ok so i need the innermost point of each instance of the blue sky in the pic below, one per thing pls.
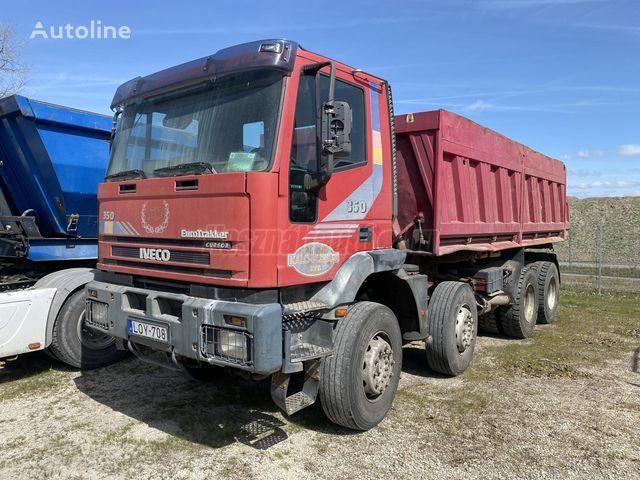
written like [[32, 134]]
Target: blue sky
[[561, 76]]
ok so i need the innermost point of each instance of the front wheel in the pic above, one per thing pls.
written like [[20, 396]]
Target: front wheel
[[76, 345], [359, 381]]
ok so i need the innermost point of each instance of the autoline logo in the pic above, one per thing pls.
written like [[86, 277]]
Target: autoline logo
[[94, 31]]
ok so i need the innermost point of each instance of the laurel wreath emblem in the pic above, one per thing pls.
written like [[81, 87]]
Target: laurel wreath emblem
[[158, 228]]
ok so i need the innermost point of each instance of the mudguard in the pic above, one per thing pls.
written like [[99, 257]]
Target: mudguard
[[352, 274], [65, 282]]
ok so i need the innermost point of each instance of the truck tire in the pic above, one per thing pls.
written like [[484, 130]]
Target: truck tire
[[490, 323], [75, 345], [548, 291], [359, 381], [519, 319], [453, 326]]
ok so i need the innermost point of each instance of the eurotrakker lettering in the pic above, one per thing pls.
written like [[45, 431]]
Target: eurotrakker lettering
[[210, 234]]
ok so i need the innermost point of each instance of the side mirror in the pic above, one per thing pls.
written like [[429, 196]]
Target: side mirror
[[336, 128], [333, 122]]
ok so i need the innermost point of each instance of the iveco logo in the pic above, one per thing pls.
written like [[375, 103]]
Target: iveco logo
[[155, 254]]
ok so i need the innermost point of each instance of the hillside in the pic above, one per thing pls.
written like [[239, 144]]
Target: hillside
[[619, 241]]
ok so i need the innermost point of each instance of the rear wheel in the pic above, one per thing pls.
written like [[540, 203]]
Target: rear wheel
[[519, 319], [453, 326], [359, 381], [73, 343], [548, 291]]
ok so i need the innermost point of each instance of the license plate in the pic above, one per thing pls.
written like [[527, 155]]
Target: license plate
[[148, 330]]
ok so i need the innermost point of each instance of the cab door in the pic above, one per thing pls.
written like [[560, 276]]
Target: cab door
[[327, 226]]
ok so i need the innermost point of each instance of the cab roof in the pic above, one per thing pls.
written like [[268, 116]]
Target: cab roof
[[271, 53]]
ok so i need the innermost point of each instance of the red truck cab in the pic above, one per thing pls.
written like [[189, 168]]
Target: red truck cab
[[257, 215], [252, 218]]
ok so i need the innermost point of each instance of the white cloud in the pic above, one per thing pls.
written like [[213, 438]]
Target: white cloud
[[71, 82], [480, 105], [629, 150], [590, 153], [607, 184]]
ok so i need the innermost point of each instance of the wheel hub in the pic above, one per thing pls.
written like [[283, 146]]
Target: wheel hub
[[464, 328], [377, 368], [529, 303], [552, 294]]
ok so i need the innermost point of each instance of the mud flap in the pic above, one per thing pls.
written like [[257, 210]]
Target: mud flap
[[292, 403]]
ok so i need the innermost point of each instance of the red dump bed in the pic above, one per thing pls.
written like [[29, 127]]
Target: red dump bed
[[475, 189]]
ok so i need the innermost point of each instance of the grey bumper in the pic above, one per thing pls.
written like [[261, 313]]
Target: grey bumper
[[195, 325]]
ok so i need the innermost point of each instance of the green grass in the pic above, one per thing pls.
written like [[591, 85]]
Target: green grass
[[590, 330], [16, 381]]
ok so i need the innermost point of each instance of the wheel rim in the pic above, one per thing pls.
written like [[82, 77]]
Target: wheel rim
[[464, 328], [529, 303], [377, 366], [90, 339], [552, 294]]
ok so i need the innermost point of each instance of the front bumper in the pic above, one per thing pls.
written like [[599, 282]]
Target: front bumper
[[199, 328]]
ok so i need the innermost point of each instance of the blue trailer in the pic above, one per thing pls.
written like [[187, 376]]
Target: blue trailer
[[51, 161]]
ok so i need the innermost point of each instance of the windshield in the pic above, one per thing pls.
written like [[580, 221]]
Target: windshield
[[227, 126]]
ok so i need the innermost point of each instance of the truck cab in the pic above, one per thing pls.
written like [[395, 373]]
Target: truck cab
[[249, 221], [217, 172]]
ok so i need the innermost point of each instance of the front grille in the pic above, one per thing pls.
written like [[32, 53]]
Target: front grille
[[164, 268], [217, 344], [200, 258], [182, 242], [98, 315]]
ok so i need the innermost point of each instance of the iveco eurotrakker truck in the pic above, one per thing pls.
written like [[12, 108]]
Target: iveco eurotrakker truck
[[267, 213]]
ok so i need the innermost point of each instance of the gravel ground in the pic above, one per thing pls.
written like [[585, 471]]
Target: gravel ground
[[564, 404]]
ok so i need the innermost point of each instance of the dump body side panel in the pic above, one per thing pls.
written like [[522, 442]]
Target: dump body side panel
[[52, 158], [465, 187]]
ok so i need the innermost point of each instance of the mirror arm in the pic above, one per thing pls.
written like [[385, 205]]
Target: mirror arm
[[114, 125], [331, 94]]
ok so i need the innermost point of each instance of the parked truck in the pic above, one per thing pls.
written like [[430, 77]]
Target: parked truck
[[267, 213], [51, 161]]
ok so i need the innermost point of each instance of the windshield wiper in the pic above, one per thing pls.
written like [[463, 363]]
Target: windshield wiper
[[126, 175], [193, 168]]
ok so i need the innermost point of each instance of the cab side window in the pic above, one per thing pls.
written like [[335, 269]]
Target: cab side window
[[303, 205], [355, 97]]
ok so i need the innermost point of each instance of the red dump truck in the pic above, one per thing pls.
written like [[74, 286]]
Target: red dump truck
[[265, 212]]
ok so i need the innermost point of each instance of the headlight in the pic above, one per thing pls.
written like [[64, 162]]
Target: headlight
[[232, 344], [98, 315]]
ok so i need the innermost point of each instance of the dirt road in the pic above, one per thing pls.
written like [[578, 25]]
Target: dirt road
[[564, 404]]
